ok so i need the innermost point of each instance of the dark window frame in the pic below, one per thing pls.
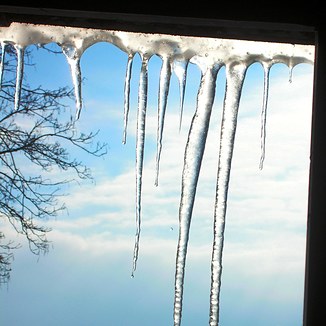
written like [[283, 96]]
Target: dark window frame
[[299, 25]]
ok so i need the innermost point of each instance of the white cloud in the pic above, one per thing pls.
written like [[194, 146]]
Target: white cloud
[[278, 194]]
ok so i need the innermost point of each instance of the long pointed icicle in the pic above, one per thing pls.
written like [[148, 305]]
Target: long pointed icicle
[[180, 69], [3, 53], [235, 76], [127, 96], [19, 75], [73, 59], [192, 162], [140, 142], [264, 114], [165, 77]]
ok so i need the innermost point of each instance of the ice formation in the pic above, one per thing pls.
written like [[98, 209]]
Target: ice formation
[[176, 52]]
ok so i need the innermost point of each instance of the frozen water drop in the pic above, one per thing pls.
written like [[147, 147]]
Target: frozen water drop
[[180, 69], [140, 142], [192, 162], [234, 80], [126, 96], [164, 85], [19, 74], [73, 59], [290, 73], [266, 67], [3, 53]]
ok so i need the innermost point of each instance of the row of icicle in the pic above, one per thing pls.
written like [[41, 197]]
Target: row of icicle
[[194, 151]]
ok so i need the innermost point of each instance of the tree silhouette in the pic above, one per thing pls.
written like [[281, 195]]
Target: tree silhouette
[[35, 142]]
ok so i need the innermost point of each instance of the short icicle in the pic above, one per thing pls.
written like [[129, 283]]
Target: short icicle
[[291, 72], [19, 75], [192, 162], [164, 86], [180, 69], [267, 67], [3, 53], [127, 96], [234, 80], [73, 59], [140, 142]]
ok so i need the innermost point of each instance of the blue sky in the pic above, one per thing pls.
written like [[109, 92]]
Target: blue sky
[[85, 278]]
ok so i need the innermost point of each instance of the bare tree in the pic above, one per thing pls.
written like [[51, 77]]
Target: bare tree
[[35, 141]]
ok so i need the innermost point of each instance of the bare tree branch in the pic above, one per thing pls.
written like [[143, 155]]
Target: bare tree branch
[[36, 135]]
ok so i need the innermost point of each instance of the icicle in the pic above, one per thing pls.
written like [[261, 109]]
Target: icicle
[[19, 75], [3, 53], [140, 142], [73, 59], [267, 67], [290, 73], [234, 80], [126, 95], [192, 161], [165, 77], [180, 69]]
